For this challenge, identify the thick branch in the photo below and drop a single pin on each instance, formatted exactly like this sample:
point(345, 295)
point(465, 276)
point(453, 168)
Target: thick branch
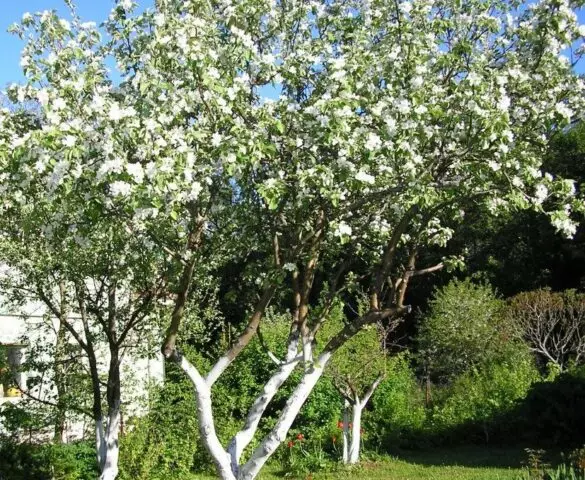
point(205, 416)
point(356, 325)
point(244, 338)
point(371, 390)
point(388, 258)
point(243, 438)
point(169, 344)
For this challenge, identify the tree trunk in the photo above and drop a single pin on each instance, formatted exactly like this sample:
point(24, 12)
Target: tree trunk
point(206, 425)
point(291, 409)
point(242, 439)
point(356, 430)
point(100, 435)
point(60, 416)
point(109, 470)
point(100, 441)
point(109, 465)
point(353, 455)
point(346, 436)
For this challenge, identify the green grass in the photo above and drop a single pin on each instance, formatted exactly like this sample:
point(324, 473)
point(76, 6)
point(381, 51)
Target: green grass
point(465, 463)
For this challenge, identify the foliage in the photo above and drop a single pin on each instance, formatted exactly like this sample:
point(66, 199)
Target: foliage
point(462, 330)
point(389, 119)
point(25, 418)
point(478, 399)
point(553, 412)
point(165, 441)
point(26, 461)
point(301, 460)
point(397, 414)
point(357, 365)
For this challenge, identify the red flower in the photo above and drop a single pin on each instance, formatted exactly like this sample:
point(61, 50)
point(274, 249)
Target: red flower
point(340, 424)
point(291, 444)
point(300, 437)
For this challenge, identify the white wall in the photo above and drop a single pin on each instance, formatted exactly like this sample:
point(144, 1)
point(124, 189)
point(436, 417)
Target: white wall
point(138, 372)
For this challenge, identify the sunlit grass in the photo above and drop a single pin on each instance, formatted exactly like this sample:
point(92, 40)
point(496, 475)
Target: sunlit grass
point(465, 463)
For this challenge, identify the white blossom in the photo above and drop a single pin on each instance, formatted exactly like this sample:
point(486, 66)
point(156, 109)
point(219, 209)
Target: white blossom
point(196, 189)
point(365, 177)
point(120, 188)
point(373, 142)
point(43, 97)
point(69, 141)
point(416, 82)
point(562, 109)
point(216, 139)
point(136, 171)
point(473, 79)
point(540, 193)
point(405, 7)
point(504, 103)
point(343, 229)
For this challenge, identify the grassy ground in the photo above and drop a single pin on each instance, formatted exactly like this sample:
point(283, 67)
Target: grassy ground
point(465, 463)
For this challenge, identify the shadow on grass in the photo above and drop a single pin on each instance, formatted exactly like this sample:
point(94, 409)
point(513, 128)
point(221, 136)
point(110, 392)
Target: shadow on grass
point(550, 417)
point(472, 456)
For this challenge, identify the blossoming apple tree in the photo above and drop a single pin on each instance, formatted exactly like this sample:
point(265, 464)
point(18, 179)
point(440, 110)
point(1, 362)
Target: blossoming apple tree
point(319, 136)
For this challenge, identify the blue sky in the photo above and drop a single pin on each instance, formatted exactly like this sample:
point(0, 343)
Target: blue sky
point(89, 10)
point(12, 11)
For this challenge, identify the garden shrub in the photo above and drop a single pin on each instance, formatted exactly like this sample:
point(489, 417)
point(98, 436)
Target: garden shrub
point(397, 411)
point(31, 461)
point(163, 442)
point(478, 399)
point(553, 324)
point(463, 329)
point(553, 412)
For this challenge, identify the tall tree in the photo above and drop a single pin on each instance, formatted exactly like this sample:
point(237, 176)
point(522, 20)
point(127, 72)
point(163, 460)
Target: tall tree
point(390, 117)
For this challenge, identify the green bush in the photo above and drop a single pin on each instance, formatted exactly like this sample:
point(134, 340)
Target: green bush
point(477, 400)
point(26, 461)
point(463, 329)
point(164, 442)
point(397, 411)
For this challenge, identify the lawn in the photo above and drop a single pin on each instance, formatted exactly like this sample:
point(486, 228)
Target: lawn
point(465, 463)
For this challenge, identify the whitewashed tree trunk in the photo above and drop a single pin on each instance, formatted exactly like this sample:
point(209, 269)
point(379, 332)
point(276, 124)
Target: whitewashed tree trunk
point(307, 351)
point(346, 437)
point(278, 433)
point(356, 427)
point(100, 441)
point(243, 438)
point(206, 426)
point(112, 446)
point(357, 406)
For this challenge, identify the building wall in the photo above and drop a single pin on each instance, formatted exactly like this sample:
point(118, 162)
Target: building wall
point(139, 371)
